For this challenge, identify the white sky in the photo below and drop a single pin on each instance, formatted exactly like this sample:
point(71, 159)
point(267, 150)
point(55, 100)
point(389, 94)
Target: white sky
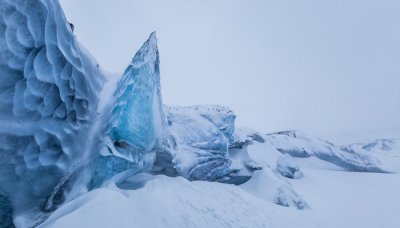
point(330, 68)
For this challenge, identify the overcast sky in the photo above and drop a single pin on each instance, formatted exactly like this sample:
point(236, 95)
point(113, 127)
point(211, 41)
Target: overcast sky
point(331, 68)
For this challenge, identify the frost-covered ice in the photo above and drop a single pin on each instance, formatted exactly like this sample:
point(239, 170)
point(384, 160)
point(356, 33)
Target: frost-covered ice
point(201, 136)
point(203, 144)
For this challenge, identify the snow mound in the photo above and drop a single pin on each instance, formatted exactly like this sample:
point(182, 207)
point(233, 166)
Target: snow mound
point(287, 167)
point(160, 201)
point(268, 185)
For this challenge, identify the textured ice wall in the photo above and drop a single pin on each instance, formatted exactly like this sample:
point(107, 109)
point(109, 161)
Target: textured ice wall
point(134, 126)
point(201, 136)
point(49, 91)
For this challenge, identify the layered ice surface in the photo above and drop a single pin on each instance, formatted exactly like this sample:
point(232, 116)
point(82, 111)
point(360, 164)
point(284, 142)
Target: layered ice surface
point(136, 117)
point(200, 138)
point(133, 126)
point(49, 89)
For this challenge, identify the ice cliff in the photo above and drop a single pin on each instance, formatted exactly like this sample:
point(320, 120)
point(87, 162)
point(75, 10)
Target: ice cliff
point(49, 89)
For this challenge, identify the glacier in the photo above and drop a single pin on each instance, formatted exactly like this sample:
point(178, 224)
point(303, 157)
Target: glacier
point(57, 145)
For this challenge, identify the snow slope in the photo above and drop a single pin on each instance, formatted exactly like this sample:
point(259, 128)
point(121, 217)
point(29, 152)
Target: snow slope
point(351, 199)
point(336, 199)
point(174, 202)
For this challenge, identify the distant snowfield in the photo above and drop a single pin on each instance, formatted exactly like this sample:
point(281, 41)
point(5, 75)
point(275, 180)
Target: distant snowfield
point(335, 199)
point(351, 199)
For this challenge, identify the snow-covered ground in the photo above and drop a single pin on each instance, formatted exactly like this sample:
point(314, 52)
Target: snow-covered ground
point(335, 198)
point(351, 199)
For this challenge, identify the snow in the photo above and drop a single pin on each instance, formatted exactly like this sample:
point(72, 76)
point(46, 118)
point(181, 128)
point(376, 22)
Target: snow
point(387, 151)
point(302, 145)
point(269, 186)
point(336, 199)
point(287, 167)
point(351, 199)
point(173, 202)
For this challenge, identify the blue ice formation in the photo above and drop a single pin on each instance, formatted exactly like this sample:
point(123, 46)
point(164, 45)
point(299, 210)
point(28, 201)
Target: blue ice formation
point(134, 127)
point(49, 90)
